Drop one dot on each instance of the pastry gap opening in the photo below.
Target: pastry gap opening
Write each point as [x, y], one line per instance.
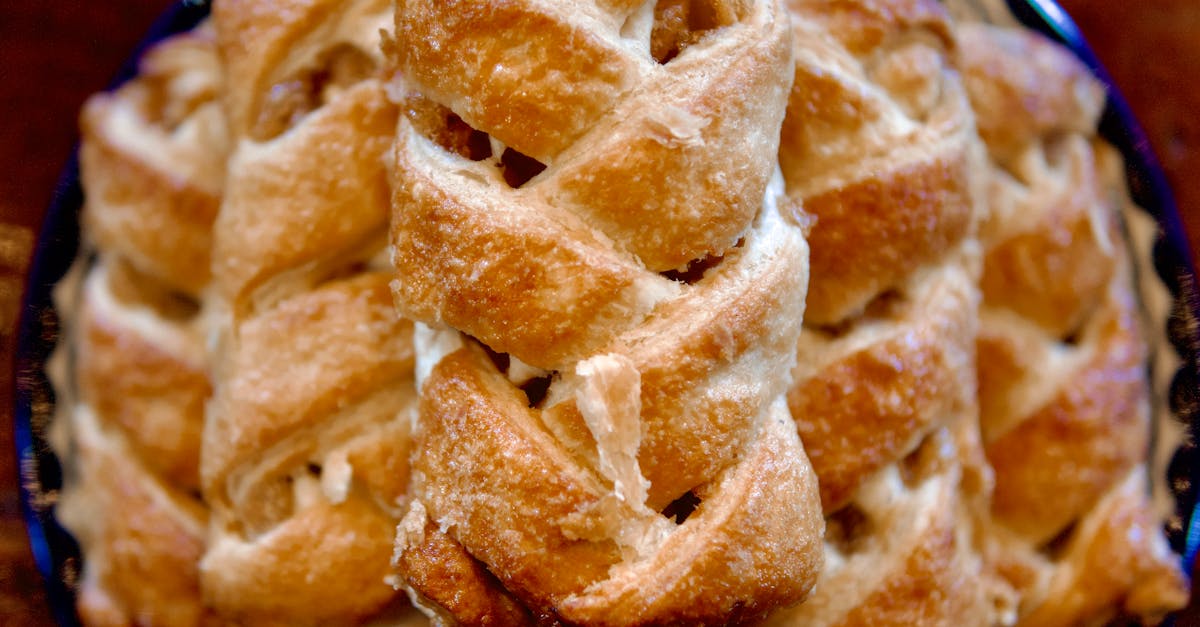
[270, 503]
[916, 467]
[1072, 338]
[291, 99]
[697, 268]
[442, 126]
[534, 383]
[341, 273]
[681, 508]
[694, 271]
[519, 168]
[849, 529]
[163, 106]
[1056, 547]
[682, 23]
[1055, 147]
[887, 305]
[499, 360]
[133, 287]
[536, 389]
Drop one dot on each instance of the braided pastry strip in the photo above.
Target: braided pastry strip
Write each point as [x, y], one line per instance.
[665, 393]
[137, 373]
[131, 497]
[887, 368]
[307, 437]
[1063, 390]
[153, 162]
[877, 145]
[309, 194]
[901, 553]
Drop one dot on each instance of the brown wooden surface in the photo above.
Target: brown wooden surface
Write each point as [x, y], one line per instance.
[53, 53]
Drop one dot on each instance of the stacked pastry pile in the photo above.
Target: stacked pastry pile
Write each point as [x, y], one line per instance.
[507, 310]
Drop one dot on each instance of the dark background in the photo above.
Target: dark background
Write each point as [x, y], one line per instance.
[53, 53]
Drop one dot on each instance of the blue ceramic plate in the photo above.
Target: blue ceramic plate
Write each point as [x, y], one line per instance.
[57, 554]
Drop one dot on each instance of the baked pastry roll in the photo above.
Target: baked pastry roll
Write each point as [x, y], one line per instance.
[133, 377]
[609, 295]
[878, 146]
[306, 442]
[153, 163]
[1062, 355]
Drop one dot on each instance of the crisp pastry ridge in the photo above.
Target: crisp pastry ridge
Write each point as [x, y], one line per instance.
[131, 398]
[607, 333]
[879, 146]
[551, 467]
[306, 438]
[1062, 363]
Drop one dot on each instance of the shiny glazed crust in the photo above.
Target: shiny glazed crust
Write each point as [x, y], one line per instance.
[1063, 390]
[665, 391]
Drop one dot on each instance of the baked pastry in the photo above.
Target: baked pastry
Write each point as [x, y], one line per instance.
[306, 437]
[608, 295]
[1062, 374]
[879, 147]
[623, 401]
[133, 379]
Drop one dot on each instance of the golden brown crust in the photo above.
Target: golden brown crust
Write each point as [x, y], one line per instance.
[152, 162]
[682, 112]
[1023, 86]
[900, 554]
[307, 442]
[557, 497]
[550, 560]
[152, 165]
[452, 581]
[609, 355]
[307, 195]
[553, 86]
[865, 399]
[285, 375]
[1055, 464]
[1115, 565]
[879, 157]
[154, 392]
[1063, 389]
[141, 564]
[277, 57]
[878, 145]
[298, 210]
[134, 416]
[312, 404]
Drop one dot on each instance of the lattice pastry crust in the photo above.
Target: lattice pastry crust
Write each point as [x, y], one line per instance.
[508, 309]
[646, 268]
